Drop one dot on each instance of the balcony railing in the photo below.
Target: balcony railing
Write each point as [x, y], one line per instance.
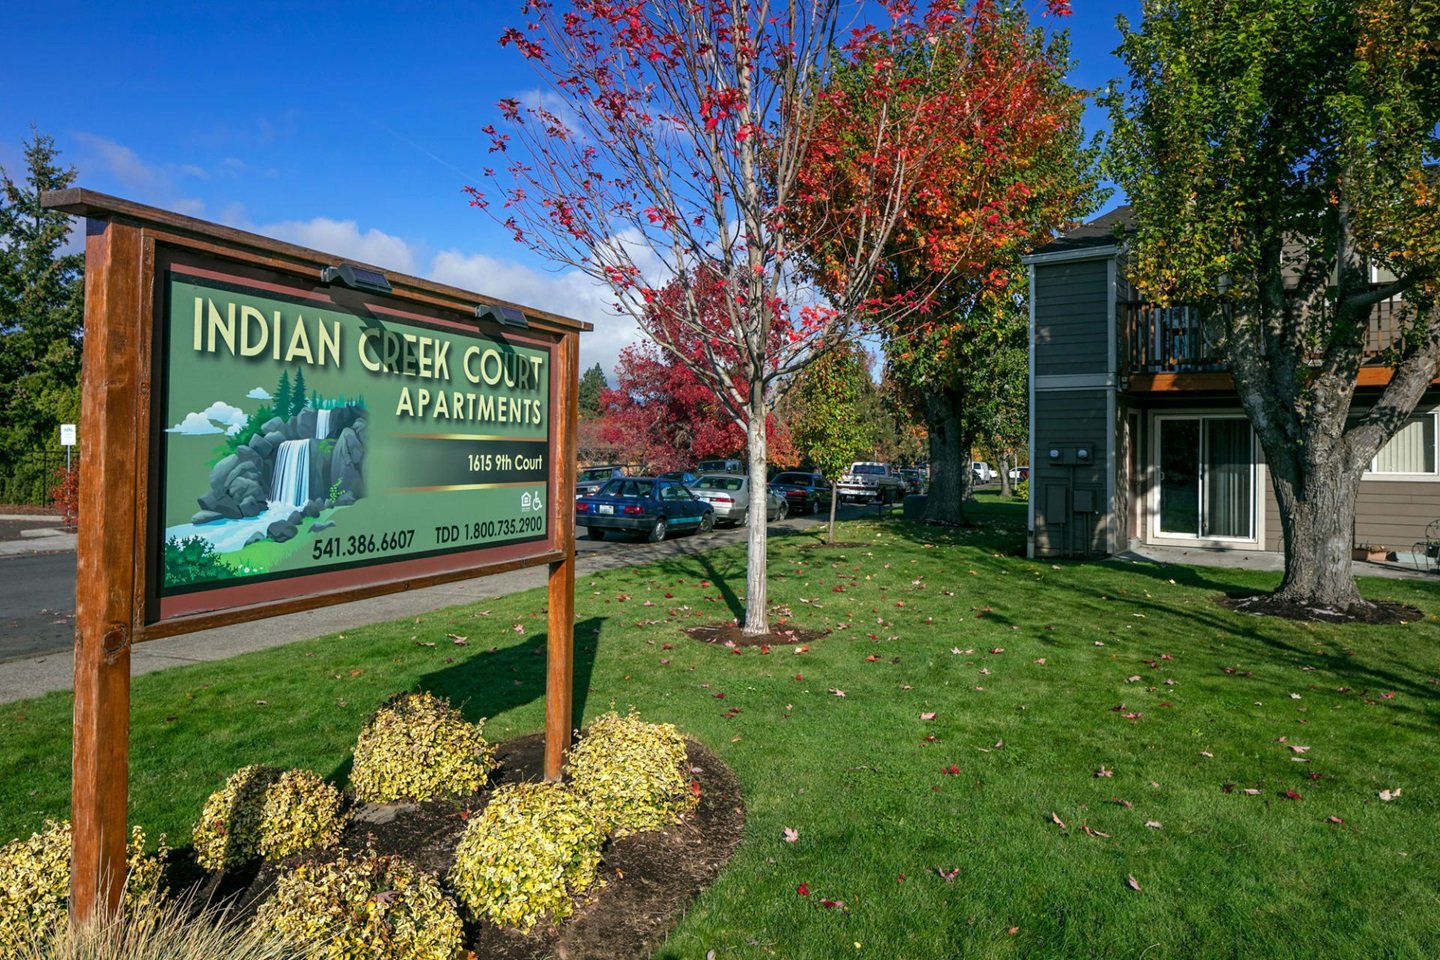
[1156, 339]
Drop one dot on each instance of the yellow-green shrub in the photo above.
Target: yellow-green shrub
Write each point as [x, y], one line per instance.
[35, 882]
[367, 908]
[418, 747]
[634, 774]
[262, 811]
[534, 847]
[228, 831]
[301, 812]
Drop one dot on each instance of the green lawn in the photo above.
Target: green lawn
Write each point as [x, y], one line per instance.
[937, 834]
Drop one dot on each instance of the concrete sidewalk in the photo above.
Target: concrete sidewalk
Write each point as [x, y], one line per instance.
[1259, 560]
[41, 534]
[24, 678]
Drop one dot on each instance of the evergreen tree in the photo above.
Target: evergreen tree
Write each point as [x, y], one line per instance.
[298, 395]
[591, 384]
[283, 396]
[41, 313]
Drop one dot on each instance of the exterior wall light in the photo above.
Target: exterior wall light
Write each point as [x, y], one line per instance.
[356, 278]
[505, 316]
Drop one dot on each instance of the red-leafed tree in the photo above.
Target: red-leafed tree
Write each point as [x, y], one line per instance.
[662, 414]
[1013, 168]
[670, 143]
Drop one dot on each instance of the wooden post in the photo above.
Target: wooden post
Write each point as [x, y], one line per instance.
[560, 659]
[105, 603]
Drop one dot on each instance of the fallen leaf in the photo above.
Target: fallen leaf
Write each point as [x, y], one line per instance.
[837, 692]
[1055, 819]
[791, 834]
[949, 875]
[1131, 882]
[927, 716]
[1207, 753]
[1013, 930]
[803, 890]
[1335, 820]
[1093, 832]
[832, 904]
[458, 640]
[1132, 679]
[1104, 771]
[695, 787]
[1153, 824]
[1251, 791]
[1386, 795]
[1291, 795]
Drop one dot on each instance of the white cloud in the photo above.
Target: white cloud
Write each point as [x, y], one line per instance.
[259, 393]
[224, 414]
[219, 417]
[570, 294]
[195, 424]
[345, 239]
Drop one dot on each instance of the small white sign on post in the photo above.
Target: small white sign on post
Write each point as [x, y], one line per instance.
[67, 434]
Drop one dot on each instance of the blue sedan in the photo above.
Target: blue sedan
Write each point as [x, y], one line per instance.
[645, 505]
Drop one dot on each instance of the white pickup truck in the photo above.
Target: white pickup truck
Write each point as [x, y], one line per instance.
[870, 482]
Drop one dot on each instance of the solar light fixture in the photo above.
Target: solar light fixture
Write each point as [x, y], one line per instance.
[506, 316]
[357, 278]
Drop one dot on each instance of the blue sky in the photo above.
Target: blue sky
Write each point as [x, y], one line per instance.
[350, 128]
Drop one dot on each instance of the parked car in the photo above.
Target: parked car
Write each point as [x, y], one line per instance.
[728, 495]
[869, 482]
[648, 506]
[1020, 473]
[914, 480]
[804, 492]
[982, 472]
[684, 476]
[730, 465]
[590, 479]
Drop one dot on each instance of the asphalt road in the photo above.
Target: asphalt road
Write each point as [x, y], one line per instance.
[37, 604]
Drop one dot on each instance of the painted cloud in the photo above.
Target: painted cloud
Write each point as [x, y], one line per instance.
[259, 393]
[219, 417]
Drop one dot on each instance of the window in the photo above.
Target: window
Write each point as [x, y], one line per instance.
[1410, 451]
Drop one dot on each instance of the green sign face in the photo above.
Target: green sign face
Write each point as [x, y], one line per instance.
[305, 437]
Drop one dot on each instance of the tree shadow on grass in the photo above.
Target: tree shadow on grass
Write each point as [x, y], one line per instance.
[1274, 634]
[497, 680]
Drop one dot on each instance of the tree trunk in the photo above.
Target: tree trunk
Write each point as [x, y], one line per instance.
[1317, 521]
[834, 499]
[950, 480]
[757, 611]
[1005, 475]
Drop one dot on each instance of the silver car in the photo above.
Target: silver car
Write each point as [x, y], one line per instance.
[729, 496]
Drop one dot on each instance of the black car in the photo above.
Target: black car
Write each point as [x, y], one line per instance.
[648, 506]
[804, 492]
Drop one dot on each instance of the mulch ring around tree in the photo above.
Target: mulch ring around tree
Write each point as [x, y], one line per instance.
[1379, 612]
[649, 878]
[732, 635]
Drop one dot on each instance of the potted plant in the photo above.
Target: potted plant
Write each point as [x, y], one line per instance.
[1373, 552]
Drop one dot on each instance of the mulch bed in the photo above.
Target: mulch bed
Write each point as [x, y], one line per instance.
[650, 878]
[732, 635]
[1380, 612]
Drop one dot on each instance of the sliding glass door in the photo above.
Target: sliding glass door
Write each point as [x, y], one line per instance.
[1207, 477]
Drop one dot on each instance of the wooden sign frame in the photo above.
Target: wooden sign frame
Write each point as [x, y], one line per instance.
[120, 419]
